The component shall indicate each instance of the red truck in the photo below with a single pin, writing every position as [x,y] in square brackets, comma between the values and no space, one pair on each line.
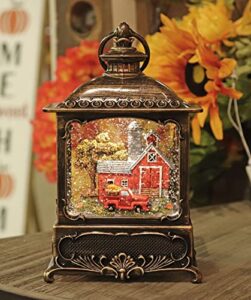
[125,200]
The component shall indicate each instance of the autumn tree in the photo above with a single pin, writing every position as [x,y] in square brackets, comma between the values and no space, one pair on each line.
[89,152]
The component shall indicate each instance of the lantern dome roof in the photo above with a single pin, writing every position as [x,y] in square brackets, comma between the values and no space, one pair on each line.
[140,92]
[123,86]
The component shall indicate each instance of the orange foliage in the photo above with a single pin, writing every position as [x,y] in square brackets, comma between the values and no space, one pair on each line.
[78,65]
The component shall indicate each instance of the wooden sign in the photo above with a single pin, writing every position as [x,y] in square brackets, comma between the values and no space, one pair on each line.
[21,24]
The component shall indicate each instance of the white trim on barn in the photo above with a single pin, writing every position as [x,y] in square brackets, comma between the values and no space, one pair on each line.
[148,148]
[160,180]
[111,180]
[151,157]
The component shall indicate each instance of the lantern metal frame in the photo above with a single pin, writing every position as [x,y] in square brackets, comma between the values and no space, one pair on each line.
[125,92]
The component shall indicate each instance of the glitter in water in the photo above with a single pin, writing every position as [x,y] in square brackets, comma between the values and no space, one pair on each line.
[123,167]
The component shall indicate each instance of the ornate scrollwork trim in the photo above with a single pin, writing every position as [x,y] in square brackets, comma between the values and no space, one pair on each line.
[68,127]
[73,238]
[178,126]
[123,265]
[117,102]
[129,267]
[73,217]
[80,215]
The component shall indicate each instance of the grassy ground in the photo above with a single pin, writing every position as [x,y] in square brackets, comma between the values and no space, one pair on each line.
[91,206]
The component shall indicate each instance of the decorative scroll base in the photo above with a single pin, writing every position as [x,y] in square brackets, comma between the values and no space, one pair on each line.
[120,267]
[148,252]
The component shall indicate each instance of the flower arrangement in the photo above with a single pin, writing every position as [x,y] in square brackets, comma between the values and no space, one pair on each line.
[194,57]
[205,57]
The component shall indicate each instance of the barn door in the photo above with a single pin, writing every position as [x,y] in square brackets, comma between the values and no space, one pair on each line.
[150,181]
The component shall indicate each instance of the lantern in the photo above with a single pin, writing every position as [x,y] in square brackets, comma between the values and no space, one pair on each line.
[123,145]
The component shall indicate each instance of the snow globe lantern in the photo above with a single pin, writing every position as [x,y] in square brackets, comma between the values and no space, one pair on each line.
[122,147]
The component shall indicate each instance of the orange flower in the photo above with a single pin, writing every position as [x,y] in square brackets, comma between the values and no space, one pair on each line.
[213,21]
[78,65]
[216,70]
[186,62]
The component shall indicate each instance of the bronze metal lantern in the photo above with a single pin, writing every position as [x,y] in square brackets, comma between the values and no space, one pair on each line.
[122,147]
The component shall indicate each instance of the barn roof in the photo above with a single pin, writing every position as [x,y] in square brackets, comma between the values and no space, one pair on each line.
[125,167]
[148,148]
[114,166]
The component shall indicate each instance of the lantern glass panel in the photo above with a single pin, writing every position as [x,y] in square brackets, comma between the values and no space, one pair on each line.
[123,167]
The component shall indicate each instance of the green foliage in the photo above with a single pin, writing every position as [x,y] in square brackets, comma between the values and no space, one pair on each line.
[244,104]
[207,146]
[204,167]
[242,53]
[212,158]
[209,160]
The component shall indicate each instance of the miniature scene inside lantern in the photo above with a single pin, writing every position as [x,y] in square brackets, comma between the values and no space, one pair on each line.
[123,167]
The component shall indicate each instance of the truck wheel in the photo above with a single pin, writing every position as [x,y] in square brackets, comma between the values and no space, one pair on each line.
[138,209]
[111,207]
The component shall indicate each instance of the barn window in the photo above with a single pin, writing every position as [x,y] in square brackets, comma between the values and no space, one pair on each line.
[152,157]
[110,181]
[124,182]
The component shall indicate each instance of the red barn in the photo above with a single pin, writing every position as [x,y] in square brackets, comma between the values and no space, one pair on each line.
[148,174]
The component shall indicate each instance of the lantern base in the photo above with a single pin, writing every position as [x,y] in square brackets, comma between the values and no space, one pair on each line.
[123,255]
[122,274]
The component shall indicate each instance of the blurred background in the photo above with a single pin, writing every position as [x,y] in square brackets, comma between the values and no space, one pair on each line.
[49,47]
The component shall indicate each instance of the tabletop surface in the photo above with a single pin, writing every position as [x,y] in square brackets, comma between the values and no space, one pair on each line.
[223,245]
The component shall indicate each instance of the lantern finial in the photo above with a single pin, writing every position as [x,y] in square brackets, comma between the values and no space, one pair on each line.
[123,36]
[123,30]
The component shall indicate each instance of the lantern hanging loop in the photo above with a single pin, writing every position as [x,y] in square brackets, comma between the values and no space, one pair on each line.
[124,35]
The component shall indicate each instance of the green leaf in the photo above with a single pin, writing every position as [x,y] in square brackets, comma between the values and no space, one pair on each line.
[199,152]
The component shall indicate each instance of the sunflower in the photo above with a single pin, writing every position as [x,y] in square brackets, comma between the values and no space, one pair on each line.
[213,21]
[186,62]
